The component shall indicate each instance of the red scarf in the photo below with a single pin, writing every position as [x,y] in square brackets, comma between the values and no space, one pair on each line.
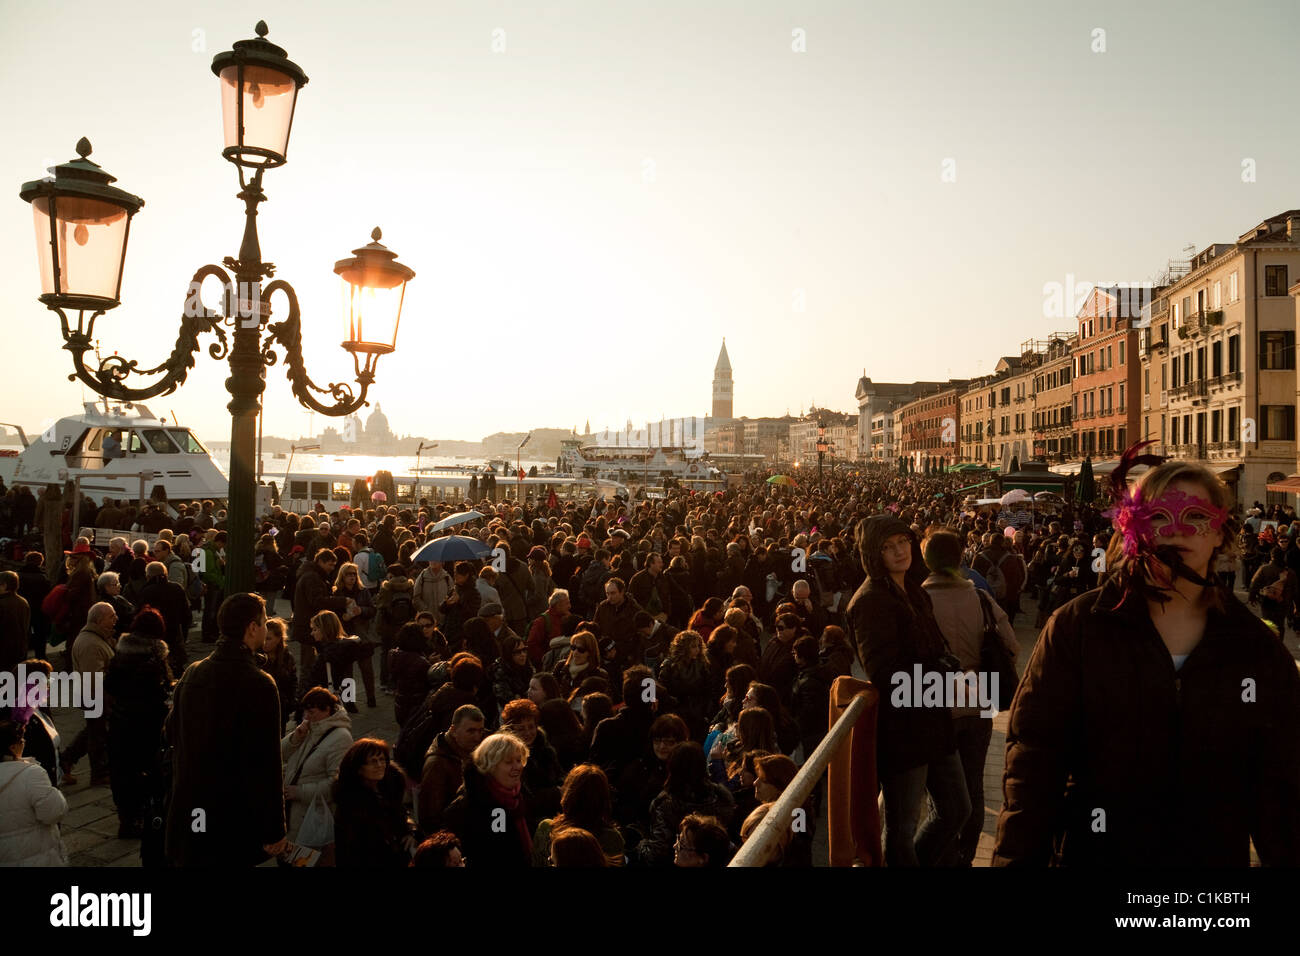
[512,801]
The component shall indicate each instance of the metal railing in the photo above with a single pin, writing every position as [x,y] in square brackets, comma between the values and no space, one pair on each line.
[852,809]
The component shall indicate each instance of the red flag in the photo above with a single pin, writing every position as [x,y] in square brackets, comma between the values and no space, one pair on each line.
[522,475]
[552,501]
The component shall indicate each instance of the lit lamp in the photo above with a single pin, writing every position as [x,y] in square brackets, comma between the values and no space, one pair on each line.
[374,287]
[81,230]
[259,87]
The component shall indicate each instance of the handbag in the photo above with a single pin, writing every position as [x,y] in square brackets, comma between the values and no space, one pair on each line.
[317,827]
[996,659]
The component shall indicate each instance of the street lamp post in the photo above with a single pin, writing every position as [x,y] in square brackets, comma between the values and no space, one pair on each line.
[82,225]
[415,494]
[821,448]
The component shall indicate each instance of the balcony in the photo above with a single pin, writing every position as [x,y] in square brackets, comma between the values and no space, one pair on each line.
[1154,344]
[1226,448]
[1226,380]
[1198,322]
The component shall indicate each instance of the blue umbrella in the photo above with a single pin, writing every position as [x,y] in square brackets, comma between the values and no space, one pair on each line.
[459,517]
[456,547]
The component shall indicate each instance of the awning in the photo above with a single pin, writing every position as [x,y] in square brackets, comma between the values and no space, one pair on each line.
[1011,485]
[979,485]
[1287,486]
[1228,470]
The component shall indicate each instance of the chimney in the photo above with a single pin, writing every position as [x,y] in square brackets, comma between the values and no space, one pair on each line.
[1293,227]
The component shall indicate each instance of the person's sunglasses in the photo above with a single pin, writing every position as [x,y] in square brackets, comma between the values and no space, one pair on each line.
[578,648]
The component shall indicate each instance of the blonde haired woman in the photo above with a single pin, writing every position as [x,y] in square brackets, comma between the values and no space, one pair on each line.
[357,620]
[492,795]
[336,653]
[1174,711]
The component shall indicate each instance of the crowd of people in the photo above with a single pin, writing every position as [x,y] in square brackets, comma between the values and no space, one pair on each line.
[635,683]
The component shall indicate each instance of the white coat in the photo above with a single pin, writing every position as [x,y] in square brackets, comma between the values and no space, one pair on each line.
[30,811]
[320,766]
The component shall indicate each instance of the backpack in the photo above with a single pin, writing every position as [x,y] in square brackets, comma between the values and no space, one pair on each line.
[414,739]
[56,606]
[996,579]
[1277,590]
[376,569]
[400,610]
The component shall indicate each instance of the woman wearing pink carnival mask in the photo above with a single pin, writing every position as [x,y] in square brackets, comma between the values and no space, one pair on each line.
[1171,709]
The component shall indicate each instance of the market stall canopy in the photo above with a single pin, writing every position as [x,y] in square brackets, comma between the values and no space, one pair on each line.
[1034,476]
[1290,485]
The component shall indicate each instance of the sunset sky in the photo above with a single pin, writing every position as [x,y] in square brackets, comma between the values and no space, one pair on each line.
[592,207]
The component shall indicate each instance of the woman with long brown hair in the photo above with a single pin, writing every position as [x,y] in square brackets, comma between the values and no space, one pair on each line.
[1190,702]
[585,803]
[582,662]
[371,828]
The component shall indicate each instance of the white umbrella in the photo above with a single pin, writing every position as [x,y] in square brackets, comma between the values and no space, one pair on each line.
[459,517]
[1015,496]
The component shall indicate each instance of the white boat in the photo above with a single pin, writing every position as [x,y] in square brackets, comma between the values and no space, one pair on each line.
[301,491]
[117,452]
[633,463]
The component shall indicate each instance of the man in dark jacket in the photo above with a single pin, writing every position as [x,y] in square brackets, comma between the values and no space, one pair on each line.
[462,604]
[444,765]
[227,802]
[515,585]
[777,667]
[651,588]
[15,622]
[311,595]
[33,585]
[384,542]
[623,738]
[616,620]
[170,600]
[591,582]
[811,695]
[1116,759]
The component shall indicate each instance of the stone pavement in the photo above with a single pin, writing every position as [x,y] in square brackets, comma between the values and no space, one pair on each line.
[90,828]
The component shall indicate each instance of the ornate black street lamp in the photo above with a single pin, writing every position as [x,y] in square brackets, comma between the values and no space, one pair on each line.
[82,222]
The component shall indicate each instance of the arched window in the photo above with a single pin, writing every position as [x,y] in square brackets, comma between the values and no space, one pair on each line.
[1272,498]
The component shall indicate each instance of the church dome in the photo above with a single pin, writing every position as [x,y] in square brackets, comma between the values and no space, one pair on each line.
[377,423]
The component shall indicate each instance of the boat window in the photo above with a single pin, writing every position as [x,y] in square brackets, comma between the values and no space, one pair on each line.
[161,442]
[297,490]
[136,445]
[188,443]
[342,491]
[85,452]
[320,490]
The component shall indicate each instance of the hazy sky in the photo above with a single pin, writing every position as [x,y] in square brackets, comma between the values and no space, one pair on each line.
[592,208]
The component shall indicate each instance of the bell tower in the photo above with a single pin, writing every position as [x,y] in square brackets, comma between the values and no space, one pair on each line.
[722,406]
